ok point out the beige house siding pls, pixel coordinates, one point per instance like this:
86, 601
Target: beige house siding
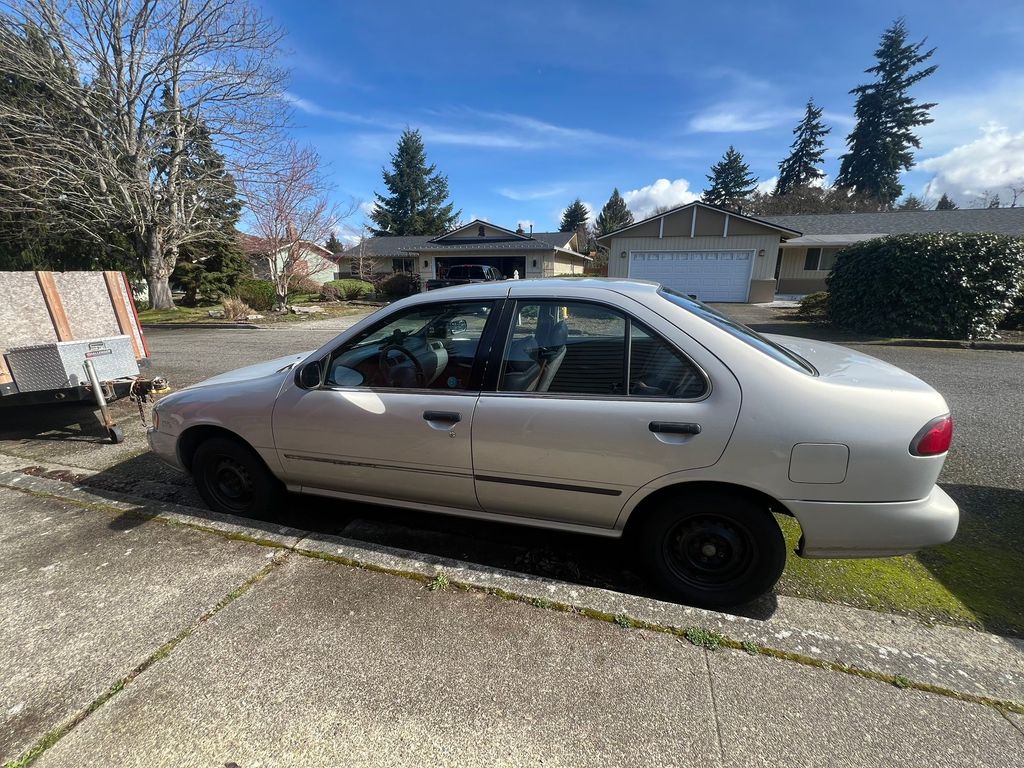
793, 278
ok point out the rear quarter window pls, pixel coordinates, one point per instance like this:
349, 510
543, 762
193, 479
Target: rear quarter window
739, 331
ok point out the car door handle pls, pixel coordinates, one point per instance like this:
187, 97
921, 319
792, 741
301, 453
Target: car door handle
674, 427
448, 417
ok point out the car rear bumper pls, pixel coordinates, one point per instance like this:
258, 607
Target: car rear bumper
165, 446
843, 529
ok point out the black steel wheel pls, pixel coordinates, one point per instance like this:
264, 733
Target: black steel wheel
713, 549
233, 479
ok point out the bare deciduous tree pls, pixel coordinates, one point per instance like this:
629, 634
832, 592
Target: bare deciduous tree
291, 210
363, 263
138, 76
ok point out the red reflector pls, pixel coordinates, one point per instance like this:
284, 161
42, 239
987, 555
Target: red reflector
934, 438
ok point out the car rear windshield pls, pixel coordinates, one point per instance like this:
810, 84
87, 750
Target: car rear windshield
740, 331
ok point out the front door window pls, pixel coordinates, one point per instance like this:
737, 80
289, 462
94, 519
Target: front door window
428, 346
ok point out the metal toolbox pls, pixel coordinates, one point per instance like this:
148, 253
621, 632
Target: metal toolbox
61, 364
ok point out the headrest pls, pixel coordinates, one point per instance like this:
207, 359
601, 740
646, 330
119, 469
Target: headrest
554, 335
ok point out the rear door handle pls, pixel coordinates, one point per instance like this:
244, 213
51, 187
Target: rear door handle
674, 427
448, 417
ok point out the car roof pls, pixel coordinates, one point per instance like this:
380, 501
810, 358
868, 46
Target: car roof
501, 288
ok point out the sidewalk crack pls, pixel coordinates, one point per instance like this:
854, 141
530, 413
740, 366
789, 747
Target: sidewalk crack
714, 708
1012, 722
56, 734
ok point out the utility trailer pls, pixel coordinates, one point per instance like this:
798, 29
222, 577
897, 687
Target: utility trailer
68, 336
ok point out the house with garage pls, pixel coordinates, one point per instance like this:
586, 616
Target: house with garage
718, 254
532, 254
713, 253
805, 261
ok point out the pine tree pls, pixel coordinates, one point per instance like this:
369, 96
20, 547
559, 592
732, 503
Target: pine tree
880, 145
333, 244
615, 215
800, 169
946, 203
911, 203
731, 180
417, 203
573, 216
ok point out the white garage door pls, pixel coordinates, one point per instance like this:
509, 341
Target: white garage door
710, 275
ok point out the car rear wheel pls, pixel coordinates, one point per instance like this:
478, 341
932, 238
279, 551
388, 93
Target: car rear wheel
713, 549
233, 479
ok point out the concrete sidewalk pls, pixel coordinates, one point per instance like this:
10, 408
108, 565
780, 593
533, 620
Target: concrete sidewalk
132, 641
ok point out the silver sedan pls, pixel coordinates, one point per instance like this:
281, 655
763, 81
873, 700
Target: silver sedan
607, 407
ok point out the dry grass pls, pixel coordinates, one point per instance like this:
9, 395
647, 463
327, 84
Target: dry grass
235, 309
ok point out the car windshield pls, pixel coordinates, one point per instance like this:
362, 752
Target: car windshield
740, 331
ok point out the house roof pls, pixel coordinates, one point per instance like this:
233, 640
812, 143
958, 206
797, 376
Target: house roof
253, 245
785, 229
1003, 221
405, 245
510, 234
827, 240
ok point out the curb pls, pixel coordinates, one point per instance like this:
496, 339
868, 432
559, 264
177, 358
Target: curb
1001, 346
193, 326
952, 661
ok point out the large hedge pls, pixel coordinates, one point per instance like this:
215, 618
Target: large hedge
258, 294
952, 286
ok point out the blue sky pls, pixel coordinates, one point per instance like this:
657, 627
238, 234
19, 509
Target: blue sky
527, 105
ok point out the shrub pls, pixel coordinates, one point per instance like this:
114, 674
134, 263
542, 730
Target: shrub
400, 284
303, 286
814, 306
954, 286
1014, 320
258, 294
329, 293
235, 309
351, 289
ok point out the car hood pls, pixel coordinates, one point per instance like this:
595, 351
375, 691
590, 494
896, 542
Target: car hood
843, 366
276, 367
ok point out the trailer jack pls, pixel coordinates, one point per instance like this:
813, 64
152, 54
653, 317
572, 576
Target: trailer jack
114, 432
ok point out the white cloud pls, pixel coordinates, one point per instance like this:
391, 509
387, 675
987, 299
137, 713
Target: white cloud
993, 161
536, 193
527, 225
768, 185
739, 117
663, 192
367, 207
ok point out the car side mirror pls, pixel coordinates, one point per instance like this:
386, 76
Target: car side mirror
309, 375
457, 326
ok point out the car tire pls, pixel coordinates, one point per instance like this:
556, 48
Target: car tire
713, 549
232, 478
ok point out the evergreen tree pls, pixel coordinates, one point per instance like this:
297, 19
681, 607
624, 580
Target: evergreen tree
211, 265
911, 203
946, 203
614, 215
417, 203
333, 244
731, 180
880, 145
800, 169
573, 216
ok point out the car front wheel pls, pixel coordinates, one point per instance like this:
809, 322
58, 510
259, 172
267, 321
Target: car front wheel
713, 549
233, 479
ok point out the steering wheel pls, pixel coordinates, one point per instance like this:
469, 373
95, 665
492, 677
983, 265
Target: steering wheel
392, 357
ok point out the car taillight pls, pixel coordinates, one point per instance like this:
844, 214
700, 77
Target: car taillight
934, 437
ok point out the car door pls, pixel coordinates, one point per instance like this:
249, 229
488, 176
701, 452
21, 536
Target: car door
393, 415
589, 404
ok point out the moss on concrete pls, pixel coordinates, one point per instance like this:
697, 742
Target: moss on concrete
963, 582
